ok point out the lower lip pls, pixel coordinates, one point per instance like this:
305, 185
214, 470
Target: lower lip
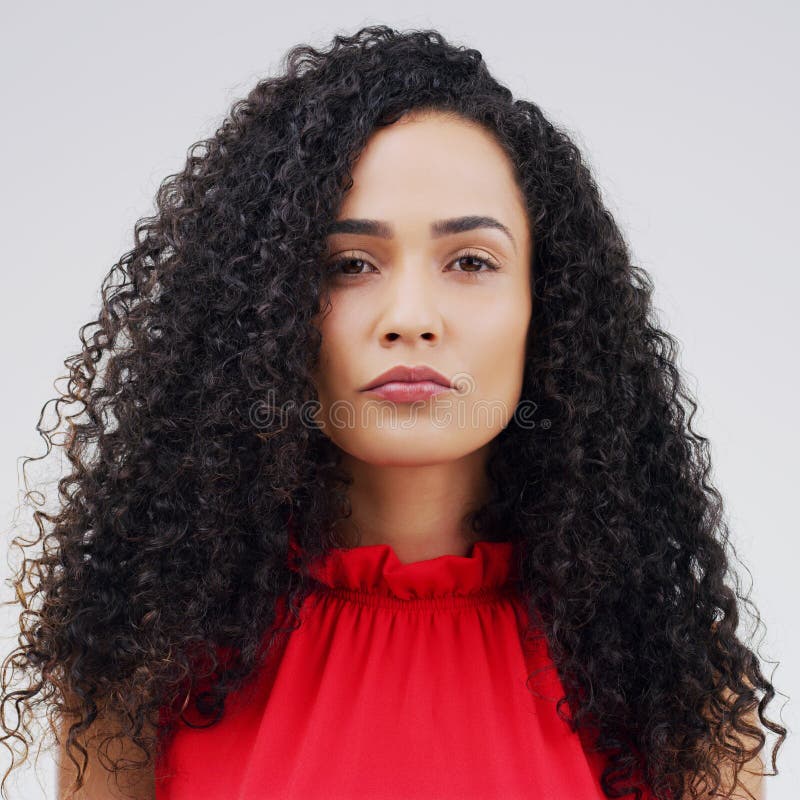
408, 392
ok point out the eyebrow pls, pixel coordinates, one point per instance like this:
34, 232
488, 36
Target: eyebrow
439, 228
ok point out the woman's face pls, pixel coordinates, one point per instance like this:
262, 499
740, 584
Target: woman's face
414, 286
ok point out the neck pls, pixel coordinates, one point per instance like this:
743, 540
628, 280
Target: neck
419, 510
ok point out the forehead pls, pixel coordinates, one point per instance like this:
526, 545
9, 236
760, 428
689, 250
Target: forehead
436, 167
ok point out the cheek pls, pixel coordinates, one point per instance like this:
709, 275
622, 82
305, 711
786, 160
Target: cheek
338, 348
496, 349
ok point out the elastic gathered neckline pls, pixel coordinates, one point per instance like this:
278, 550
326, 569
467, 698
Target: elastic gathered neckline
373, 575
450, 602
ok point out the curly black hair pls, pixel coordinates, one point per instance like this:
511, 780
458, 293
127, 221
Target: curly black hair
191, 451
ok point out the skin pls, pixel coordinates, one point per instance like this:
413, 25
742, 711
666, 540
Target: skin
413, 299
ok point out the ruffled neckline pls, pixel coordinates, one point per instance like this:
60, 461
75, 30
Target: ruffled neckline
376, 570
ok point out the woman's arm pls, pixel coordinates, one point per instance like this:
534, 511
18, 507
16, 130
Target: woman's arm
750, 782
750, 785
752, 778
98, 782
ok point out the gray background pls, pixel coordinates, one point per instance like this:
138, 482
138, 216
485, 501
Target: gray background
683, 110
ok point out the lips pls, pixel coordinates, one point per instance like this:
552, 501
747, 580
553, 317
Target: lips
403, 374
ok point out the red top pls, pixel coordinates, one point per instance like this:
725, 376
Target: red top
402, 681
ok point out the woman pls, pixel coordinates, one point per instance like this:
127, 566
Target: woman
385, 485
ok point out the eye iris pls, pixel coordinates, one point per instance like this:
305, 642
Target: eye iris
473, 259
352, 261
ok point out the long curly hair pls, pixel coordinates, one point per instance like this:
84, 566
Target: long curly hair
166, 562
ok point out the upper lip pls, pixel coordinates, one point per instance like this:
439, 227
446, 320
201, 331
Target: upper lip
408, 374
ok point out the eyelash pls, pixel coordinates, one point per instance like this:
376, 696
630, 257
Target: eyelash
488, 262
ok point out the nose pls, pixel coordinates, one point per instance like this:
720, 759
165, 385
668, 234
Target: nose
410, 310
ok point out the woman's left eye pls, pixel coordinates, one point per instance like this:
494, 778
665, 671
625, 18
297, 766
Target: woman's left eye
481, 259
